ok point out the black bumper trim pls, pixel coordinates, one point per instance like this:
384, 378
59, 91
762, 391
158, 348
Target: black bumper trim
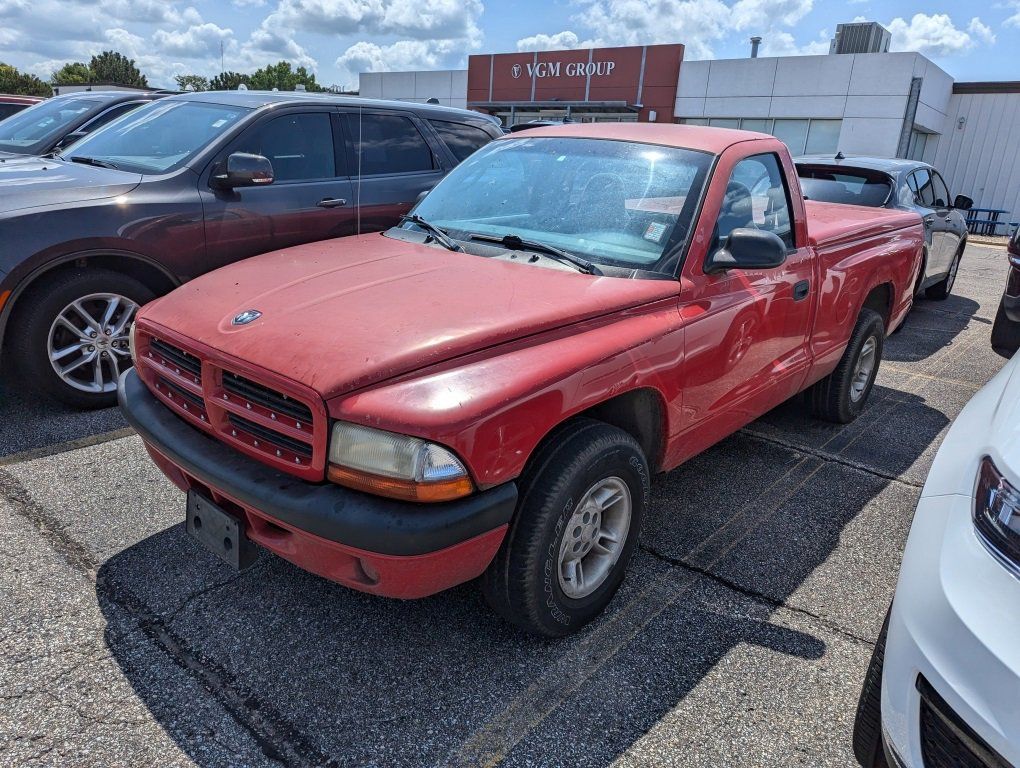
360, 520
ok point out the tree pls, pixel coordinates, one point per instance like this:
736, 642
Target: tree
283, 77
197, 82
228, 81
117, 69
73, 73
21, 83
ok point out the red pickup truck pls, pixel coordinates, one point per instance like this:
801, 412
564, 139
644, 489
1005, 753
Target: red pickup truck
487, 389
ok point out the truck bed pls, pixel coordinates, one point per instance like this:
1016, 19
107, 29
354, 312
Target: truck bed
832, 224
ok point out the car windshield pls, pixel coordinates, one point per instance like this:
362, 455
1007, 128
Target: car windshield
614, 203
847, 186
158, 137
32, 129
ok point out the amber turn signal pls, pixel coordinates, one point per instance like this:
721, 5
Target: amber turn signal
397, 488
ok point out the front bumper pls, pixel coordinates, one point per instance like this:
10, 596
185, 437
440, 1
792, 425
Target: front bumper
370, 543
953, 631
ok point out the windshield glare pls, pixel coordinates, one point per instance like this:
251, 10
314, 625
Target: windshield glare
613, 202
158, 137
35, 127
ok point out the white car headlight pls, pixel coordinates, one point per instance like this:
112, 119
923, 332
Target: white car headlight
399, 466
131, 343
997, 514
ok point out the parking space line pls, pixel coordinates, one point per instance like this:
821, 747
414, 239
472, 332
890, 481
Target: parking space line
70, 445
489, 744
970, 385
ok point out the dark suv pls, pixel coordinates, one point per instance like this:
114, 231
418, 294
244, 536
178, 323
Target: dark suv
62, 120
185, 185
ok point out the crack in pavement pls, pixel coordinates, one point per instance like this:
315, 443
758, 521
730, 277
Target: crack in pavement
278, 739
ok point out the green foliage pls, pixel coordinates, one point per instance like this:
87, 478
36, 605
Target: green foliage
283, 77
72, 73
197, 82
228, 81
118, 69
21, 83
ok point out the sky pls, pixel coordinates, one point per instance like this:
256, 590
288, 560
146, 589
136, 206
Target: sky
337, 39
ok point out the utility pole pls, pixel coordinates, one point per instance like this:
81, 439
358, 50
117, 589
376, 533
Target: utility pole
222, 70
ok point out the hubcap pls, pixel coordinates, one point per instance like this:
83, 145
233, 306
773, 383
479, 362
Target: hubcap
88, 342
864, 369
594, 537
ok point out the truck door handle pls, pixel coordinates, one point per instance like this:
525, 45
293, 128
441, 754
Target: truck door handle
331, 202
929, 219
800, 290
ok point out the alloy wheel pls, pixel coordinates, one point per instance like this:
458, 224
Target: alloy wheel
88, 342
594, 537
866, 361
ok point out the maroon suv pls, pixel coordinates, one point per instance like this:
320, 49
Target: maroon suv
186, 184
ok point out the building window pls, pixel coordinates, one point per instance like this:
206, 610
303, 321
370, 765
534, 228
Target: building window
802, 136
918, 144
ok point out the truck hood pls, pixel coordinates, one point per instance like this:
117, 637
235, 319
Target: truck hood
342, 314
28, 182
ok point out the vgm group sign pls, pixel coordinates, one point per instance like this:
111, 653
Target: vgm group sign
571, 69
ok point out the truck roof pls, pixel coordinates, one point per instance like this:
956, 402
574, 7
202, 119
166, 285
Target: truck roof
696, 137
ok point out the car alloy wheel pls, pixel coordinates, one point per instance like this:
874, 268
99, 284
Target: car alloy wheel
88, 342
594, 537
862, 371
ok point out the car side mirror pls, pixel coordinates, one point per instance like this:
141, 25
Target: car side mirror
747, 248
421, 196
963, 203
70, 138
242, 169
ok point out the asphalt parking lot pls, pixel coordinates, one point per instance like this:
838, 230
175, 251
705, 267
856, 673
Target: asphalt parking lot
740, 636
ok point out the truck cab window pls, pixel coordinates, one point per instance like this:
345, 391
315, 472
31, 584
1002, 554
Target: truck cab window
756, 198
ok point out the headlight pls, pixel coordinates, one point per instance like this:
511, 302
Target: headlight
997, 513
131, 343
398, 466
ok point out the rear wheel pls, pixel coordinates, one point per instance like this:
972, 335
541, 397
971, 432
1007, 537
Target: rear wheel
576, 526
841, 396
867, 738
941, 290
70, 334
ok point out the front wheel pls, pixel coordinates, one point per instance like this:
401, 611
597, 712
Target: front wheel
70, 334
867, 736
576, 526
840, 397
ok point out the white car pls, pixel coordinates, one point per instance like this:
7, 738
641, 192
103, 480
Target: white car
943, 688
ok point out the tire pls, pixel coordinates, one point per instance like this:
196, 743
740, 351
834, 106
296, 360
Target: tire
867, 736
841, 396
525, 584
941, 290
35, 328
1005, 333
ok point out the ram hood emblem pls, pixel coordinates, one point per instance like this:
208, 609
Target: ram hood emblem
249, 315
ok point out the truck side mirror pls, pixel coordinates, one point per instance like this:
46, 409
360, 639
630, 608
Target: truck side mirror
242, 169
963, 203
747, 248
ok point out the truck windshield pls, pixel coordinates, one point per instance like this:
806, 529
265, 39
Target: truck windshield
614, 203
843, 185
158, 137
37, 127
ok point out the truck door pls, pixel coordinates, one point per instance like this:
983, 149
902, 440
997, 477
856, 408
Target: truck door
746, 343
310, 198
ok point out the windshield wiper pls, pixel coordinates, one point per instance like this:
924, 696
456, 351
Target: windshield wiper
93, 161
515, 243
437, 234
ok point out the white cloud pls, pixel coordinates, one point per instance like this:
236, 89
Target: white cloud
767, 14
543, 42
779, 43
196, 42
936, 35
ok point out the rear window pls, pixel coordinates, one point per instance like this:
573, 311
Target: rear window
461, 139
846, 186
387, 144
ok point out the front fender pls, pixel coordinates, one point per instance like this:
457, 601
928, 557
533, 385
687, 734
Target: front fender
494, 408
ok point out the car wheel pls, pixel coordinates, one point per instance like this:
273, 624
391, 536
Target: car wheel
70, 337
867, 738
841, 396
944, 287
577, 523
